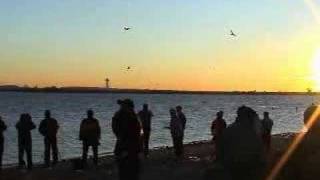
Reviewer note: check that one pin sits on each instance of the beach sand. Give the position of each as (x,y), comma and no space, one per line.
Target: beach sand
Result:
(161,164)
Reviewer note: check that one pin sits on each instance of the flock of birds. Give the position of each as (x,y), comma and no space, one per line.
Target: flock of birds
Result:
(128,28)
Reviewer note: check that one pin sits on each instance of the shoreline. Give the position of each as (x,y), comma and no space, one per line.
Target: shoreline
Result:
(108,154)
(97,90)
(195,165)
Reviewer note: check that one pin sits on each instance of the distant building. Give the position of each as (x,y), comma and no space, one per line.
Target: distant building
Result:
(107,83)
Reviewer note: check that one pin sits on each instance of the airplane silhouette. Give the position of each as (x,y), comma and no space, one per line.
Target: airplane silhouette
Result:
(232,33)
(126,28)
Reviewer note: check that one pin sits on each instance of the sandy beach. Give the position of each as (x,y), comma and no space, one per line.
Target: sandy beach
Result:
(161,164)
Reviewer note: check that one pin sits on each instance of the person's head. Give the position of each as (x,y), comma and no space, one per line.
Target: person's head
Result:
(246,115)
(145,107)
(126,104)
(47,114)
(119,102)
(173,112)
(22,116)
(220,114)
(179,108)
(90,113)
(312,114)
(242,112)
(26,117)
(266,114)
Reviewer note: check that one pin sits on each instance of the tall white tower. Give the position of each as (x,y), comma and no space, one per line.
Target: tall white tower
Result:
(107,83)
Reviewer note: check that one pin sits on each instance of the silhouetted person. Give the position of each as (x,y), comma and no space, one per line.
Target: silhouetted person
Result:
(126,127)
(217,128)
(218,125)
(309,112)
(90,134)
(304,162)
(181,116)
(48,128)
(183,120)
(176,130)
(257,123)
(267,124)
(241,150)
(3,127)
(24,127)
(145,116)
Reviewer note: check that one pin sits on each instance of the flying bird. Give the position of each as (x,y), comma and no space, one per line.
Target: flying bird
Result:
(232,33)
(126,28)
(128,68)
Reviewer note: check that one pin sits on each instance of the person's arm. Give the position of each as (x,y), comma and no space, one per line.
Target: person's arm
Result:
(99,130)
(41,128)
(184,121)
(31,125)
(57,125)
(212,128)
(81,131)
(3,126)
(17,125)
(115,125)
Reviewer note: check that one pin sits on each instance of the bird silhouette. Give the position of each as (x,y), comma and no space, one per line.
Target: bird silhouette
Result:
(126,28)
(232,33)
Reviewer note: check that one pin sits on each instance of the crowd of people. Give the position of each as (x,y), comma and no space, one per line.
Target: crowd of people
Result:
(240,147)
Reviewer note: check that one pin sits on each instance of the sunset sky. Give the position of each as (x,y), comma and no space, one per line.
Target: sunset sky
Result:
(173,44)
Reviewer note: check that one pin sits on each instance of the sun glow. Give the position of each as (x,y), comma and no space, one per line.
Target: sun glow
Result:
(316,69)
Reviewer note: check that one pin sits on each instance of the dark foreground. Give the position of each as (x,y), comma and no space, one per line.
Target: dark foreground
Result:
(160,165)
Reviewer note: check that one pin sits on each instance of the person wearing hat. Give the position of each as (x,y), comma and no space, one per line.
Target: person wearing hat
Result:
(90,134)
(127,129)
(217,127)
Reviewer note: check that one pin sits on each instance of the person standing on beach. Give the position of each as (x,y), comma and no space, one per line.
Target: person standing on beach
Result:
(48,128)
(217,128)
(183,120)
(304,162)
(240,149)
(24,127)
(176,130)
(90,133)
(181,116)
(145,116)
(127,129)
(267,124)
(3,127)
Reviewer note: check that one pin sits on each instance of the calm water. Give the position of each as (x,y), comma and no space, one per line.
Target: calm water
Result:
(70,109)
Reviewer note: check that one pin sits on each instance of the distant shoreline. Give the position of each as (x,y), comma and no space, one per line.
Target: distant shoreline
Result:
(143,91)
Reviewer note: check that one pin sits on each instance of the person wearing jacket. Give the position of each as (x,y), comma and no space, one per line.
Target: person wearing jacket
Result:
(48,128)
(127,129)
(24,127)
(176,130)
(90,134)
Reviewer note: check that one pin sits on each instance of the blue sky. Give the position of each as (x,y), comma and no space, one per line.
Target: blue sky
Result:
(55,36)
